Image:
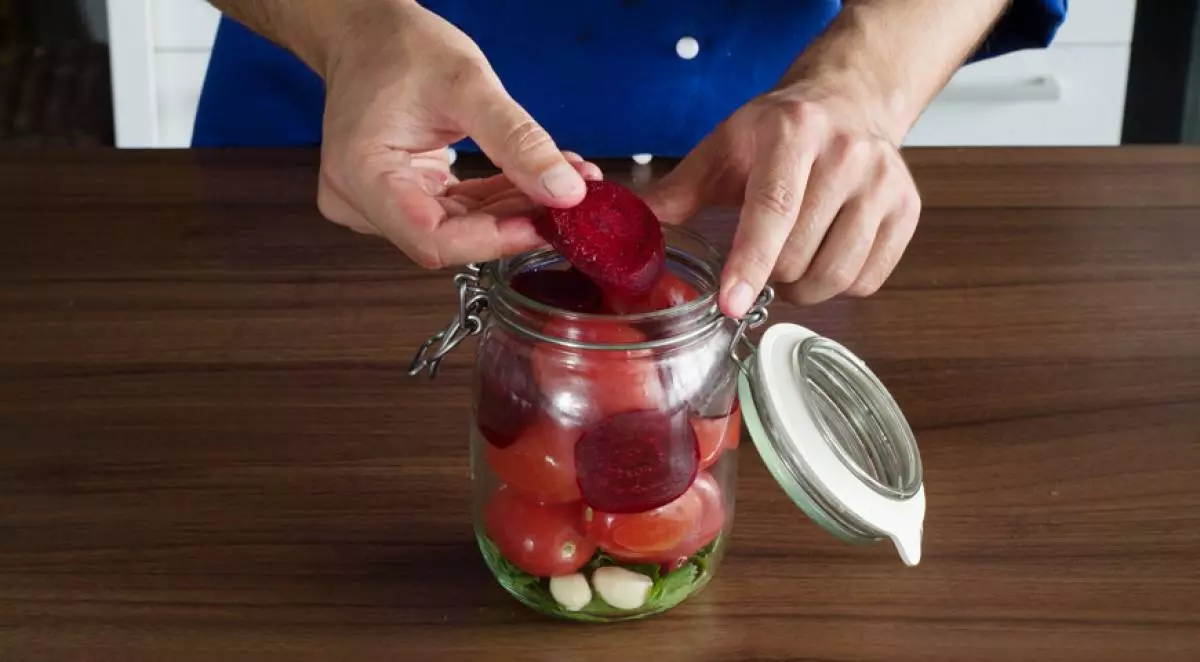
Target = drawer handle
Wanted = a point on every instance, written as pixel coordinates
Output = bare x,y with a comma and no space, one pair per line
1040,89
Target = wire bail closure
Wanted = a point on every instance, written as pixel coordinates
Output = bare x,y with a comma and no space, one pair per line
754,318
472,304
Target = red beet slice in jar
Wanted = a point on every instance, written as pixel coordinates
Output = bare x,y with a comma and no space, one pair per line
508,400
563,289
637,461
612,237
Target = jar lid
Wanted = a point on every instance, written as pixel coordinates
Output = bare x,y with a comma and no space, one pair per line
834,439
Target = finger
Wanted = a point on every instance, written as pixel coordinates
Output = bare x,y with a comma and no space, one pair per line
678,196
590,171
479,237
453,207
407,215
774,191
836,174
433,182
523,150
516,206
843,253
895,233
438,158
504,195
469,203
482,189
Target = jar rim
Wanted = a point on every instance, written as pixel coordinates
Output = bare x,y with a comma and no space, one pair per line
500,273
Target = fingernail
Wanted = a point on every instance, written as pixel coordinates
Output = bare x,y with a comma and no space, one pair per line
563,182
740,298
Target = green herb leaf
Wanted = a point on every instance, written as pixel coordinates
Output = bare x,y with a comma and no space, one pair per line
668,590
674,588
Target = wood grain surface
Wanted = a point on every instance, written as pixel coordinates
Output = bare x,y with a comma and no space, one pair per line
209,448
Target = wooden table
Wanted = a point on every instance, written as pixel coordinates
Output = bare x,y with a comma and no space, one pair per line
209,448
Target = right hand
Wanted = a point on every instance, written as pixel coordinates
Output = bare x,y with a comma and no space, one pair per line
402,86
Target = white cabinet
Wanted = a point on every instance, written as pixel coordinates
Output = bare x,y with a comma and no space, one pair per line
159,51
1070,94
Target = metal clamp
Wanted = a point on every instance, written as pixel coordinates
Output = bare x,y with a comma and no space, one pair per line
472,303
754,318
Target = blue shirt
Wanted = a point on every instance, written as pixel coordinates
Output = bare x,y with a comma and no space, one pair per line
602,76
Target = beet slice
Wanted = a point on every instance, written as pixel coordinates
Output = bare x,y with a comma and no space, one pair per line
507,400
612,237
637,461
563,289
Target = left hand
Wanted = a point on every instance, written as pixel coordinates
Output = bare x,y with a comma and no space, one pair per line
827,203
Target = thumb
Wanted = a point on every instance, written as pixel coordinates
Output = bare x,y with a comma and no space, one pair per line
523,150
680,195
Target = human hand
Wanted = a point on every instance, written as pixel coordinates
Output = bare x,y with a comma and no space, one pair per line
402,86
827,203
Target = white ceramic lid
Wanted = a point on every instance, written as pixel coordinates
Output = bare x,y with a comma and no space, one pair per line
834,439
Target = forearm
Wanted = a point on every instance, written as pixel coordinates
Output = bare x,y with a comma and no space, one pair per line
309,28
896,54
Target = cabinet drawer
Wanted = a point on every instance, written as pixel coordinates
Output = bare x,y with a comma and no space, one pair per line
184,24
179,78
1071,95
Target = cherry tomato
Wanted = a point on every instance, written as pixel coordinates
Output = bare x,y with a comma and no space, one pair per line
671,291
652,536
713,520
540,463
590,385
542,539
704,530
716,435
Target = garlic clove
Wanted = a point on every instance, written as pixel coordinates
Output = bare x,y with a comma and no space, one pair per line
621,588
571,592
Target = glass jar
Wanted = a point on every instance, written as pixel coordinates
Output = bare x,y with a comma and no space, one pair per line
604,448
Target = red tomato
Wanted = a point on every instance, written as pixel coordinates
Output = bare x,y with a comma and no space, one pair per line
714,514
715,435
543,540
652,536
593,384
671,291
540,463
704,530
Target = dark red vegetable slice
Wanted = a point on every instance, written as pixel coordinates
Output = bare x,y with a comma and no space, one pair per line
612,237
564,289
508,399
637,461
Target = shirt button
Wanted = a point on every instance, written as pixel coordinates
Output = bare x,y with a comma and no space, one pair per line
687,48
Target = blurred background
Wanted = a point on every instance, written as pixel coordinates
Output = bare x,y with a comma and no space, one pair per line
128,73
